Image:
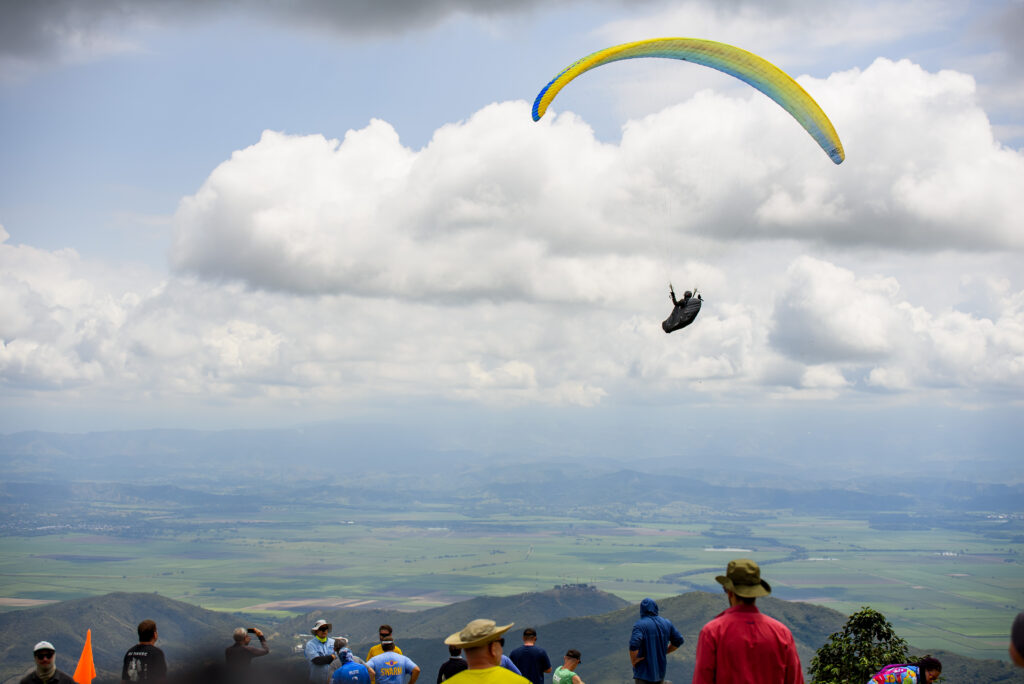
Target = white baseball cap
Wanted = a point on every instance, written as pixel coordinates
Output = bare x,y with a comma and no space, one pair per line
44,646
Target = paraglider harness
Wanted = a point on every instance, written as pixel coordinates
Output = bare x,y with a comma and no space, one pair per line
683,312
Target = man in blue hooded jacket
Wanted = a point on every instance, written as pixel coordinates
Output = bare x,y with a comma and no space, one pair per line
652,639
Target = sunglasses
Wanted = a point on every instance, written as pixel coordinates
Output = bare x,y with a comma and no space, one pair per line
43,655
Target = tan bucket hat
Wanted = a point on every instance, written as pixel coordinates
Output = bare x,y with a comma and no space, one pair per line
477,633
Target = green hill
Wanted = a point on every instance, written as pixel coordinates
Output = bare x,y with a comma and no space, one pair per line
529,609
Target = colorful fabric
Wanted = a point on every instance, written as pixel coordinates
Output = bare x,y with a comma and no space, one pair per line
897,674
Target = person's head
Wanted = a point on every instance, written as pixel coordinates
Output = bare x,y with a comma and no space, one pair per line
240,635
571,659
1017,640
384,632
44,653
454,651
742,582
687,294
147,631
340,643
930,668
387,645
481,640
320,629
529,635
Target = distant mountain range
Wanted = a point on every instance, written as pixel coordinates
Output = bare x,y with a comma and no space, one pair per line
595,622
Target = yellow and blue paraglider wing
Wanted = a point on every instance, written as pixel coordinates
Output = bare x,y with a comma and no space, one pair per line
746,66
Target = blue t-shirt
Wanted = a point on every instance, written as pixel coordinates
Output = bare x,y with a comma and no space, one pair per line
390,667
532,662
351,673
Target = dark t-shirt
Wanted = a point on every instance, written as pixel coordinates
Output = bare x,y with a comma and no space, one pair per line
144,663
532,661
452,667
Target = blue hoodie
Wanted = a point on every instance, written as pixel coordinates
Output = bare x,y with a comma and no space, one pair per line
651,636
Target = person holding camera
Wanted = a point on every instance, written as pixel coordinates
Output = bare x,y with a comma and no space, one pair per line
239,655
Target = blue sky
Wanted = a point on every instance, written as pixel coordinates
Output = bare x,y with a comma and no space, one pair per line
223,218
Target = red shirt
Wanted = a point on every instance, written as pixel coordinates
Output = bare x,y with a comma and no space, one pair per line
742,646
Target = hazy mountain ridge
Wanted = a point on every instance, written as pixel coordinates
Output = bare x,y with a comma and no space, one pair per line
192,636
419,447
240,470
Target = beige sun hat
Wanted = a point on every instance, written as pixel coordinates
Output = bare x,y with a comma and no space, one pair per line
321,623
477,633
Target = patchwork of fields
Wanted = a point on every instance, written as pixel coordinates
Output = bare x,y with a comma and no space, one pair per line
955,589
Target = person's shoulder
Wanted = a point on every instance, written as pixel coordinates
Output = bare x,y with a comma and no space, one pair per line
774,622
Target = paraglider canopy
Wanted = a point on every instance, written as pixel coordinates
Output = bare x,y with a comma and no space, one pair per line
746,66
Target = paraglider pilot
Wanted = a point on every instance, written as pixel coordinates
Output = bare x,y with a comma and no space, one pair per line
684,310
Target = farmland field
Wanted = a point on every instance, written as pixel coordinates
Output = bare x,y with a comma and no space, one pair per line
942,588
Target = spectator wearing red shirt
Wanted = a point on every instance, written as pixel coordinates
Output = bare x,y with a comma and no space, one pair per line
742,646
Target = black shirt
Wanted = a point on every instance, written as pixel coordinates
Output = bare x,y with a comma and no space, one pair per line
450,668
144,663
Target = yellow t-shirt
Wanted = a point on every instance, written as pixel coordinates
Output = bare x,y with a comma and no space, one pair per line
488,675
377,649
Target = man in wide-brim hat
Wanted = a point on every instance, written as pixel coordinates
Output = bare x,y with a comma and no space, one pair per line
320,652
480,641
741,644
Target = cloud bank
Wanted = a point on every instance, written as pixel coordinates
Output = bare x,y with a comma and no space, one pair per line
514,263
499,207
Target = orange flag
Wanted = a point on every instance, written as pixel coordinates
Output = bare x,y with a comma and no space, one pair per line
86,670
